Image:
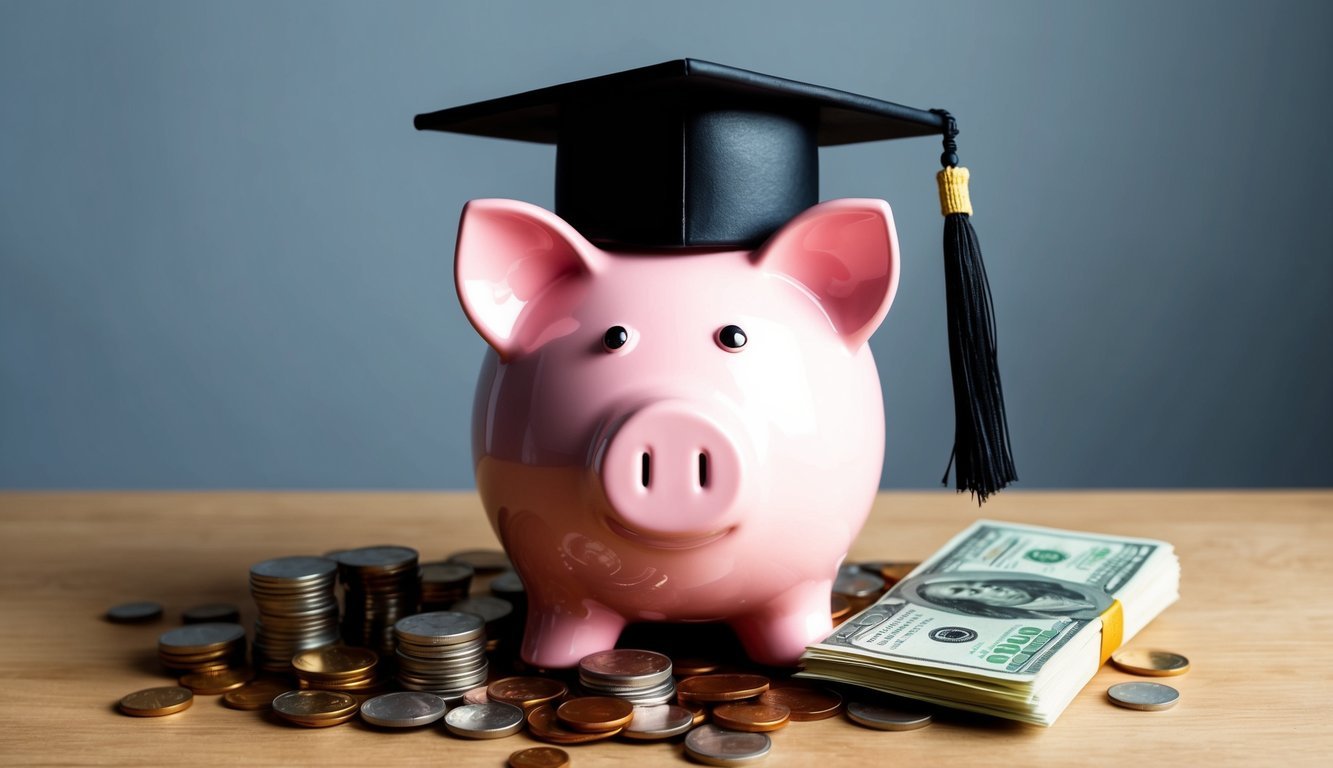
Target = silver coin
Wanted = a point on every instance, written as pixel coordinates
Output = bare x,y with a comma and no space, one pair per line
440,628
403,709
715,746
659,721
491,720
856,583
886,718
507,584
1148,697
129,613
297,568
625,667
445,573
490,609
200,637
378,557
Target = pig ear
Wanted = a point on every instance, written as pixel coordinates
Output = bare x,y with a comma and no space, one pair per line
509,255
844,254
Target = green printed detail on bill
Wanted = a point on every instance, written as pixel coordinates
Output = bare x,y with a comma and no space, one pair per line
1045,555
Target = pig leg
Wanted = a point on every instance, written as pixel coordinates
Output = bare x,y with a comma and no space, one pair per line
557,639
778,632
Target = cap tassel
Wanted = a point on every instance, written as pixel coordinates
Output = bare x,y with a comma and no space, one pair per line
982,458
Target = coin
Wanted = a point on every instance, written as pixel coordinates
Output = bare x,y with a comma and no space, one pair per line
545,726
492,720
378,557
1148,697
805,702
212,683
315,709
134,613
156,702
490,609
508,586
257,694
299,568
335,662
714,746
539,757
526,692
658,721
1150,663
690,666
755,717
839,608
440,627
721,687
626,666
856,584
484,561
200,638
211,612
403,709
595,713
885,718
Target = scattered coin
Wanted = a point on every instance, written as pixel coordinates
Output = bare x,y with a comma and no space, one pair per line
485,562
805,702
658,721
593,714
526,692
403,709
213,683
1150,663
539,757
751,716
543,725
885,718
1148,697
711,688
492,720
212,612
315,709
715,746
134,613
156,702
257,694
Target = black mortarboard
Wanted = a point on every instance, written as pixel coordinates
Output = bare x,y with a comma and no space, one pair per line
691,153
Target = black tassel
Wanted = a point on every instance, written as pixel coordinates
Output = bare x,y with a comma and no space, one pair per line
982,459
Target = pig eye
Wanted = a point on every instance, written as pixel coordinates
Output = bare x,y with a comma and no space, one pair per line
732,338
616,337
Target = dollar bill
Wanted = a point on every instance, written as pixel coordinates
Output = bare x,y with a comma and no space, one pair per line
1005,619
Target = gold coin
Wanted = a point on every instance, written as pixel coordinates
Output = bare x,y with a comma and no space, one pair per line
539,757
594,714
711,688
156,702
526,692
806,702
213,683
1150,663
335,662
305,707
749,716
545,726
258,694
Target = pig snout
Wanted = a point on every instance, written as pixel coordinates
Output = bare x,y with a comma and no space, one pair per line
672,475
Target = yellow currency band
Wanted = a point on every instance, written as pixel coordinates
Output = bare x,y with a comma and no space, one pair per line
1113,629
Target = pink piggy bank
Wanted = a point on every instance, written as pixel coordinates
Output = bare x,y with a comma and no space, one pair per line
687,435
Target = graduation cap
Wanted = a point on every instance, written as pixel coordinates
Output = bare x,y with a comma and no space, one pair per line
691,154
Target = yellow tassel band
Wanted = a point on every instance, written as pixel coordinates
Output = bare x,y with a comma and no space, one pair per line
1113,630
953,191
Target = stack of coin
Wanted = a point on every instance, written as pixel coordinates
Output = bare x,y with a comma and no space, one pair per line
443,584
498,615
298,608
639,677
381,585
337,668
315,709
441,652
202,647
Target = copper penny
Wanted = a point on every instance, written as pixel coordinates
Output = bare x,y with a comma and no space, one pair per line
839,608
526,692
594,714
258,694
805,702
754,717
545,726
156,702
688,667
539,757
711,688
213,683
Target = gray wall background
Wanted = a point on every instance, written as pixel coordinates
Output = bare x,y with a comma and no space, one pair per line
225,256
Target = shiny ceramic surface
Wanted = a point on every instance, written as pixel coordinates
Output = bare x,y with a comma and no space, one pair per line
677,476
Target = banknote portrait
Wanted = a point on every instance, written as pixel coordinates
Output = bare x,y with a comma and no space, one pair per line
1002,595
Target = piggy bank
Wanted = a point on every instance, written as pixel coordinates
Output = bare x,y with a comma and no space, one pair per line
677,435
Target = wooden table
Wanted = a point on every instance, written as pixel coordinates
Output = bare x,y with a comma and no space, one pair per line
1255,618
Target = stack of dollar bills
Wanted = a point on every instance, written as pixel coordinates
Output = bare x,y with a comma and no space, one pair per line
1006,620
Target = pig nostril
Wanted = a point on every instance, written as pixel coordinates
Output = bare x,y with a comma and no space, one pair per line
645,469
703,470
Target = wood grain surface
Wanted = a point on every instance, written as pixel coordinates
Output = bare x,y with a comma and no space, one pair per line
1255,619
